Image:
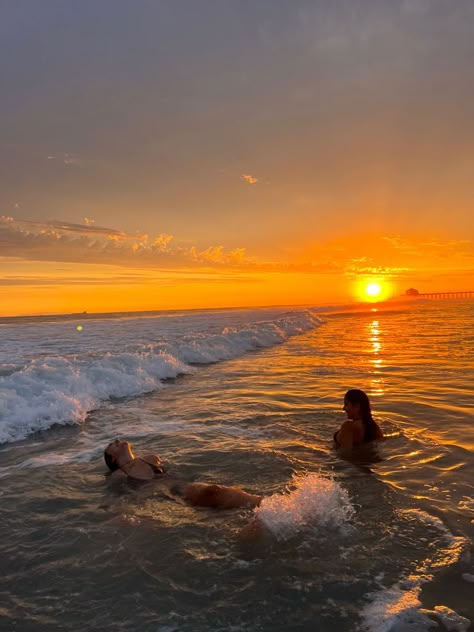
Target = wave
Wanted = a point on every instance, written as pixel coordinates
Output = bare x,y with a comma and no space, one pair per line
64,389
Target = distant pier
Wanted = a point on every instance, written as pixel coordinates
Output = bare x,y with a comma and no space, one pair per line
445,295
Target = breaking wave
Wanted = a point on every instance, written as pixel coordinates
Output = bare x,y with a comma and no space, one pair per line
62,388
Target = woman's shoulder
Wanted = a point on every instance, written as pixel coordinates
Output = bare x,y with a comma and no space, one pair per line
143,468
350,428
346,436
151,459
154,462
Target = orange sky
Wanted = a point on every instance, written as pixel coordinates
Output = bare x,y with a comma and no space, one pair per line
60,267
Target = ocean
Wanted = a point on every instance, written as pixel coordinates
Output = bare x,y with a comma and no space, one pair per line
249,397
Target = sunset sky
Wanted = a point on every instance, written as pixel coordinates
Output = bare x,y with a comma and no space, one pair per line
210,153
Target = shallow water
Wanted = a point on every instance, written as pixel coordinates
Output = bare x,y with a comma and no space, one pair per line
383,542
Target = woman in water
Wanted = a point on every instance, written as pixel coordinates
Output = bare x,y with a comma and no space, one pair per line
120,458
360,427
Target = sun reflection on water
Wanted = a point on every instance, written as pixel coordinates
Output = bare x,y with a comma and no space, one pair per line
375,347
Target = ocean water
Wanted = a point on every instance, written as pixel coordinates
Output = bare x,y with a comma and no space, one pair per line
382,542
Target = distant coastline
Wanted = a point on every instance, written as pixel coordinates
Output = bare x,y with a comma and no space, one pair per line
409,297
145,313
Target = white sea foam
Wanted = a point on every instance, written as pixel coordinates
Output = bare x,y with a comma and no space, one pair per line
398,608
313,502
63,388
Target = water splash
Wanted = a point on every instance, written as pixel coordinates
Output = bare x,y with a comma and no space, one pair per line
312,502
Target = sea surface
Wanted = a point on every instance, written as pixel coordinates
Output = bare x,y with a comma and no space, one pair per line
381,542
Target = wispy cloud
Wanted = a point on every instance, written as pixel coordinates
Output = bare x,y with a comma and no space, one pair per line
88,243
249,178
68,242
390,256
435,248
121,279
389,272
70,160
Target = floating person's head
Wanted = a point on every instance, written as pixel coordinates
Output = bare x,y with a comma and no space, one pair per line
117,451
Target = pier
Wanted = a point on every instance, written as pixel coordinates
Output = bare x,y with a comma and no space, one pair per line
446,295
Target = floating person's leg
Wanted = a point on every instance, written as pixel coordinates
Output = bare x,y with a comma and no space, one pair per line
217,496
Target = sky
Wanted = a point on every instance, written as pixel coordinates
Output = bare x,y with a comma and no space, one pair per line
170,154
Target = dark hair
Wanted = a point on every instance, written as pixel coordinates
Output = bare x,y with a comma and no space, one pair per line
356,396
110,461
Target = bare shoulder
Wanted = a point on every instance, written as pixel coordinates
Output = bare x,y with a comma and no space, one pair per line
138,470
347,427
346,436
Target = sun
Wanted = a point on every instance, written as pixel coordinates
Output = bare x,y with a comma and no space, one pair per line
373,289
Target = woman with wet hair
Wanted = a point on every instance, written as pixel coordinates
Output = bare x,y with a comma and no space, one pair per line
121,460
118,457
360,426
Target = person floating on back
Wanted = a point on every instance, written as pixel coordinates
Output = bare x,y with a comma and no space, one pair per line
360,427
121,460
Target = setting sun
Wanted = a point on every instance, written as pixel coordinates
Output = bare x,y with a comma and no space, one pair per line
373,290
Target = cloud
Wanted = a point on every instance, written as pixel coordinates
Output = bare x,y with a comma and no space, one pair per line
70,160
249,178
389,272
69,242
162,241
67,280
391,256
219,255
435,248
41,280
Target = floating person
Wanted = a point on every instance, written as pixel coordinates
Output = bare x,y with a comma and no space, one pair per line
360,427
121,460
118,457
310,498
